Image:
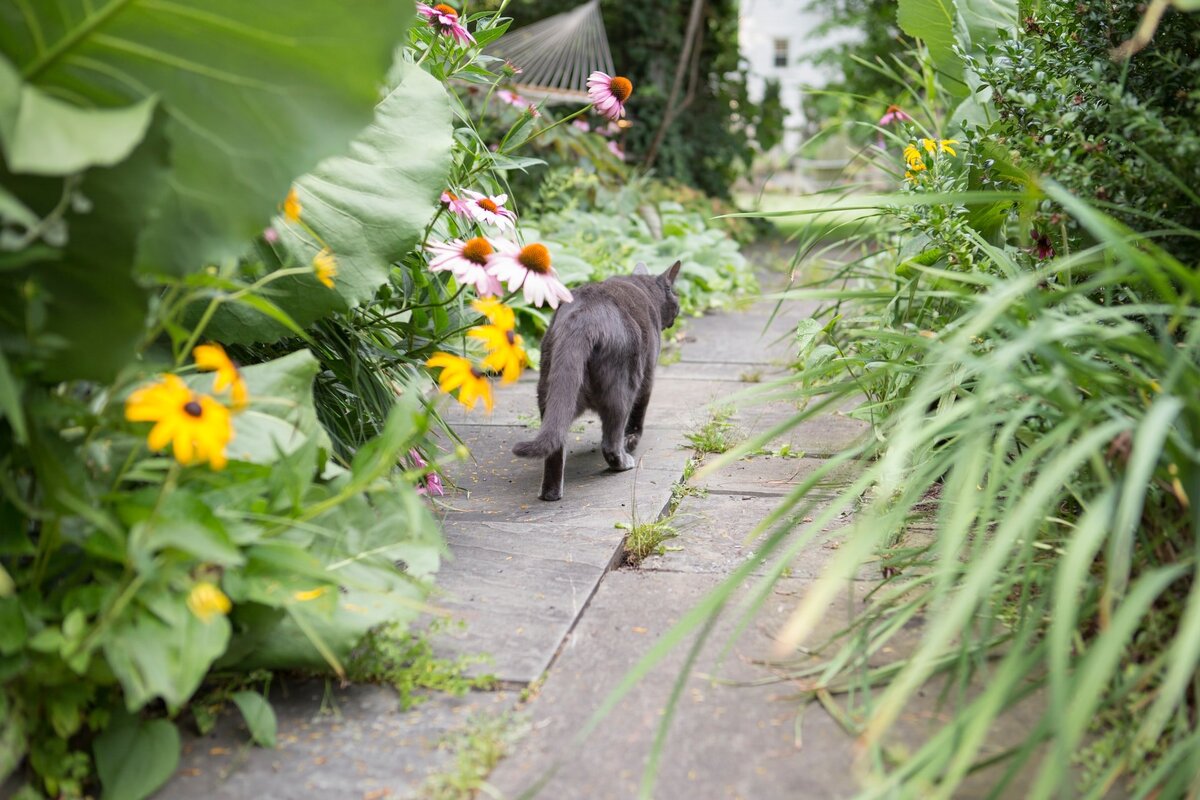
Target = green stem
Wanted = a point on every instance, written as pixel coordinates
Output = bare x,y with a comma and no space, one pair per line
505,150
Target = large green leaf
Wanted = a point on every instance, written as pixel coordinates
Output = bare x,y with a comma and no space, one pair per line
933,22
134,757
281,416
43,135
80,300
160,649
370,207
256,93
969,24
983,18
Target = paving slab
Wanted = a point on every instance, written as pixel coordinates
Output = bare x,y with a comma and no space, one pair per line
775,476
756,336
714,530
516,589
353,742
676,402
740,741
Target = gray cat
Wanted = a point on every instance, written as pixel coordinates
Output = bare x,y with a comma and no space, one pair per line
600,353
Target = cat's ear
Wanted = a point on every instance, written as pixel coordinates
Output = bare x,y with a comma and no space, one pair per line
671,274
641,269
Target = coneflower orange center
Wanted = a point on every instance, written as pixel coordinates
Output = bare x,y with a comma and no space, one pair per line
535,258
487,205
621,88
445,9
477,250
192,408
452,196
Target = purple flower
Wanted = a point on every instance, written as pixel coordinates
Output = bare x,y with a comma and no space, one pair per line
1042,246
432,481
270,235
582,125
445,19
894,114
608,94
616,150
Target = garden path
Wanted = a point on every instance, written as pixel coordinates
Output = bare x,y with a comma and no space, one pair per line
540,588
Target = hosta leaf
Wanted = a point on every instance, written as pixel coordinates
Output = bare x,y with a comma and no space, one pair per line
256,93
43,135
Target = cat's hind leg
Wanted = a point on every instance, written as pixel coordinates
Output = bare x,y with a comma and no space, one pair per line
614,415
552,475
637,416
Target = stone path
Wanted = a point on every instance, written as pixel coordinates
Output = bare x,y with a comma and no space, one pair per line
540,587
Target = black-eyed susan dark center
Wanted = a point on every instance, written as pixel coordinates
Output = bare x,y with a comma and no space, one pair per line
621,88
535,258
193,409
477,373
511,336
477,250
487,205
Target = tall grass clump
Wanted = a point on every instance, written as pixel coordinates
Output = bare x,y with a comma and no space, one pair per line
1029,353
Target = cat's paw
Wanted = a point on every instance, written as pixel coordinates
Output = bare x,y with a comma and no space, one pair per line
619,462
551,495
632,440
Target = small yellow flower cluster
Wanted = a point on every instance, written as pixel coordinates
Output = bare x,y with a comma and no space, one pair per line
505,356
198,427
324,263
915,162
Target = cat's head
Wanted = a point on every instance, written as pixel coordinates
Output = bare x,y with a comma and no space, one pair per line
666,284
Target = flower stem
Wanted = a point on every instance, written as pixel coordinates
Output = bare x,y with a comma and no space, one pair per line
504,150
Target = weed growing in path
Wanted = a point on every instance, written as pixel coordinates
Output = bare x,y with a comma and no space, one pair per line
715,436
388,654
645,539
477,748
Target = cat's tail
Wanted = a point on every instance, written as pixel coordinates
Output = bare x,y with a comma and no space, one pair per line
567,364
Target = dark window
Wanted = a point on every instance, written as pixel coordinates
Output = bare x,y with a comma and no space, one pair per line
781,52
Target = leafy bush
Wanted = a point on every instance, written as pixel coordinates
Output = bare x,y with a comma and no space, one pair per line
1119,132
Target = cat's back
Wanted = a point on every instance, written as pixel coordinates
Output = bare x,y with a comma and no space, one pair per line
615,306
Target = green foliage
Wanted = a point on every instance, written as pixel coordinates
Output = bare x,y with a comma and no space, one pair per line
645,539
1036,405
711,142
126,575
241,58
1121,133
594,233
717,435
390,654
477,748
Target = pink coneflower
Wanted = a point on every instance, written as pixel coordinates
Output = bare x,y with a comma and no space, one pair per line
894,114
491,209
270,235
534,111
510,97
608,94
445,19
529,268
468,261
457,204
582,125
616,150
